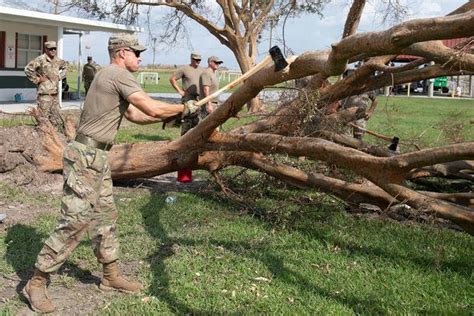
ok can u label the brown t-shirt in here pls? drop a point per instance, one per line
(208, 78)
(106, 103)
(190, 80)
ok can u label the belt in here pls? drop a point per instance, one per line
(86, 140)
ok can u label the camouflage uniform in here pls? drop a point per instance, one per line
(47, 92)
(360, 101)
(87, 205)
(88, 73)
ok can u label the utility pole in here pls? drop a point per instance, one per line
(154, 50)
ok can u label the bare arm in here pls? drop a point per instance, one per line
(151, 111)
(136, 116)
(205, 90)
(175, 85)
(371, 110)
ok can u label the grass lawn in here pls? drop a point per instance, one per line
(429, 122)
(163, 85)
(285, 252)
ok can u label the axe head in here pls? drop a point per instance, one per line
(278, 58)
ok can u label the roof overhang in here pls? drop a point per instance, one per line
(67, 22)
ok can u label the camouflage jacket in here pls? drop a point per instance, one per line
(53, 69)
(361, 101)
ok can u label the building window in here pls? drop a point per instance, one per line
(29, 47)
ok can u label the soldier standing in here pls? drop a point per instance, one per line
(46, 71)
(361, 101)
(88, 73)
(87, 202)
(208, 83)
(189, 76)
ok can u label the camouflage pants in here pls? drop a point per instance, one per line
(354, 131)
(87, 205)
(357, 132)
(48, 106)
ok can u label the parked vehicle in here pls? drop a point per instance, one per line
(441, 83)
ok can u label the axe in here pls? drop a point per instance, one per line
(275, 55)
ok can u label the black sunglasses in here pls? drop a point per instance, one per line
(198, 60)
(52, 48)
(136, 52)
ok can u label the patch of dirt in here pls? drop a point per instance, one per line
(73, 290)
(39, 182)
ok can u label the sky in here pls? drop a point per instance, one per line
(306, 33)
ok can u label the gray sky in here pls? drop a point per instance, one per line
(306, 33)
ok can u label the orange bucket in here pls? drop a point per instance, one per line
(185, 175)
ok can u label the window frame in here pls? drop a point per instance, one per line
(27, 50)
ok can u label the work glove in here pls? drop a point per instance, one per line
(190, 108)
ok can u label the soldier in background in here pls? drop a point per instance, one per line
(189, 76)
(208, 83)
(88, 73)
(361, 101)
(46, 71)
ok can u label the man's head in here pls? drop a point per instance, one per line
(89, 59)
(124, 50)
(214, 62)
(195, 59)
(50, 48)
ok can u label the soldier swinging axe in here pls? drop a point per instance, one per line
(275, 55)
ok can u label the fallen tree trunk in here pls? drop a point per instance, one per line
(286, 130)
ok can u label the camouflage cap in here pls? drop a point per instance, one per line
(124, 40)
(196, 56)
(215, 59)
(50, 44)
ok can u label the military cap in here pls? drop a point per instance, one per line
(50, 44)
(124, 40)
(196, 56)
(89, 57)
(215, 59)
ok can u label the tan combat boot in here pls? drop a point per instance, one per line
(35, 292)
(112, 280)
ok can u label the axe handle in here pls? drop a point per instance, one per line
(232, 84)
(384, 137)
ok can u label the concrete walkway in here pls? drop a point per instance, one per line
(20, 107)
(266, 95)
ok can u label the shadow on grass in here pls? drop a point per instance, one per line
(389, 250)
(23, 245)
(320, 224)
(160, 284)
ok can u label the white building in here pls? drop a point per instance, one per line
(22, 36)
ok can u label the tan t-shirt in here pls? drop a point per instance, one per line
(106, 103)
(190, 80)
(208, 78)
